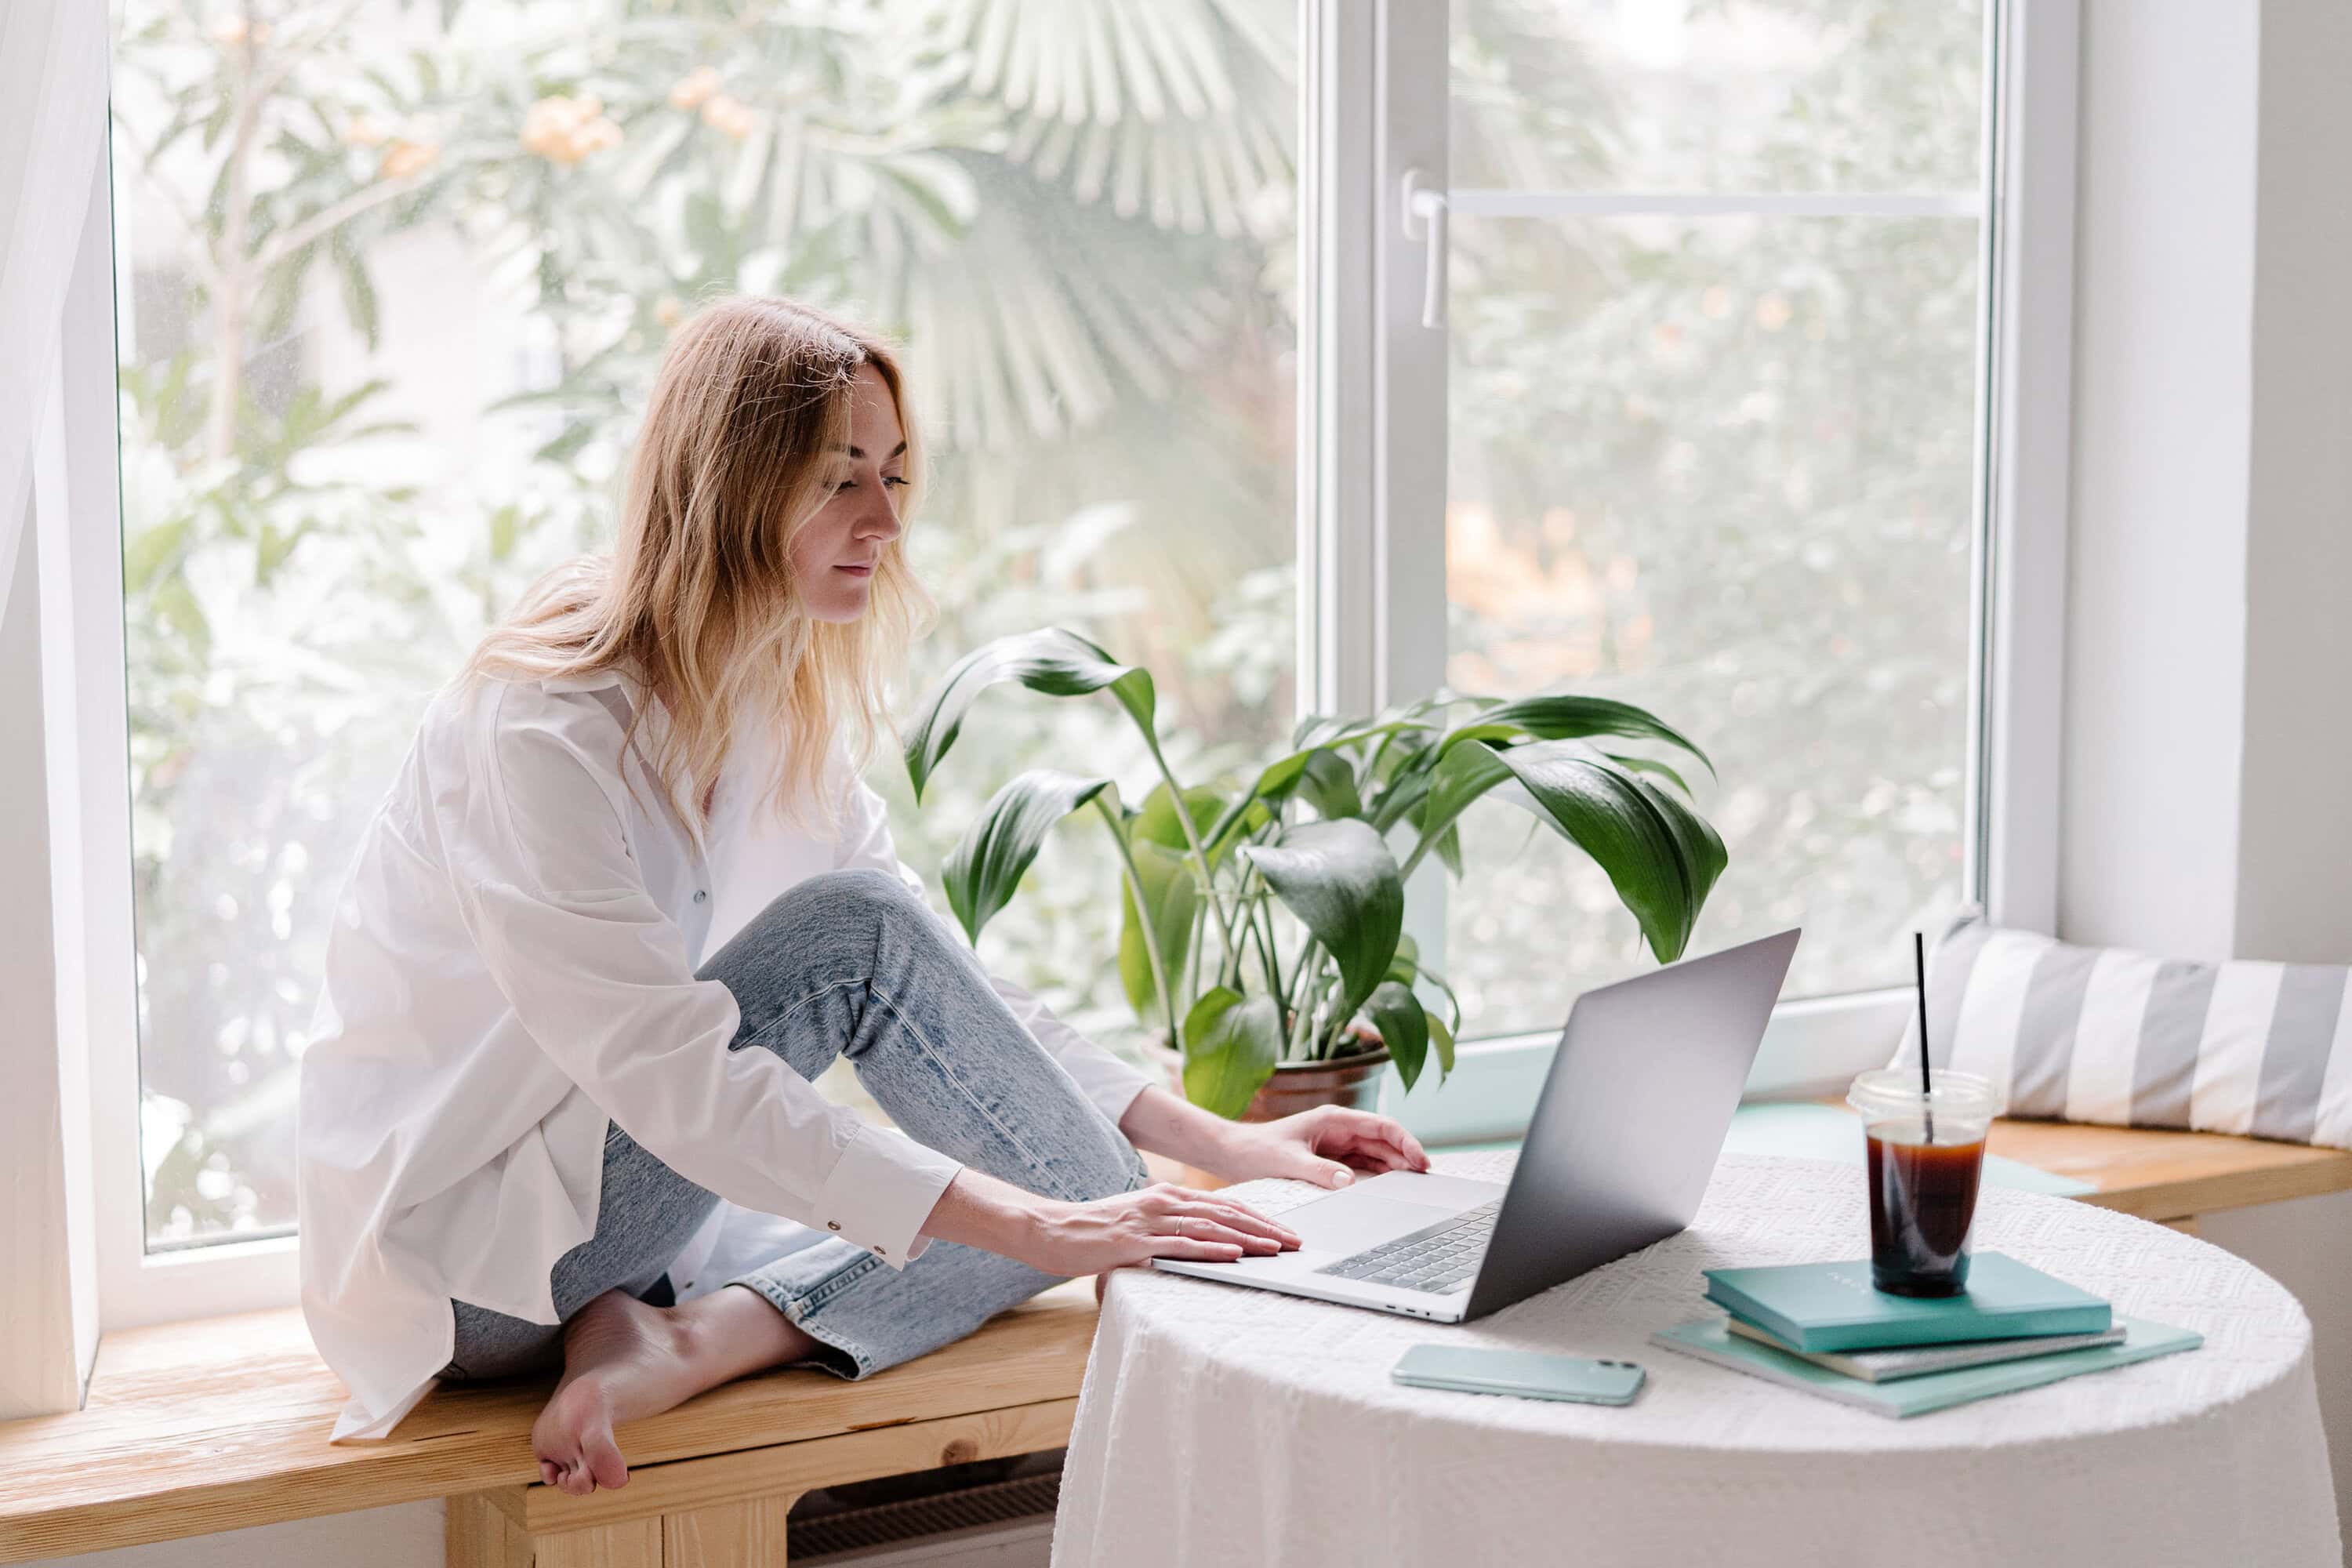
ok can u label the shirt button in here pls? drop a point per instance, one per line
(699, 895)
(833, 1225)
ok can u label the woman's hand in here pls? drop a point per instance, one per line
(1074, 1238)
(1325, 1146)
(1160, 1221)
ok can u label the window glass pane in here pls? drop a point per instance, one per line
(1722, 467)
(393, 282)
(1716, 95)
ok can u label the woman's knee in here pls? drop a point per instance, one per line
(832, 922)
(850, 905)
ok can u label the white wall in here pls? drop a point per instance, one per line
(2210, 545)
(408, 1536)
(2156, 604)
(2208, 739)
(2294, 866)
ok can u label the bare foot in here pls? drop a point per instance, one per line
(623, 1361)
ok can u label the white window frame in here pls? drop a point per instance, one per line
(1371, 487)
(1373, 457)
(84, 622)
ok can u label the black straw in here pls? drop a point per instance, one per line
(1926, 1084)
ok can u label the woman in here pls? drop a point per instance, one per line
(531, 1090)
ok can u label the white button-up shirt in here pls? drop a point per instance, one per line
(511, 970)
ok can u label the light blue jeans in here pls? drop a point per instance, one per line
(849, 964)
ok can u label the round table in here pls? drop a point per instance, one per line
(1221, 1425)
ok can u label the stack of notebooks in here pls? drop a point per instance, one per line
(1822, 1328)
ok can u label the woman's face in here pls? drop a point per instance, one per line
(835, 556)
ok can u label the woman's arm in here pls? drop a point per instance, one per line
(1066, 1238)
(1319, 1145)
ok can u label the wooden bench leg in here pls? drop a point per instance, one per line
(728, 1510)
(486, 1530)
(636, 1544)
(748, 1534)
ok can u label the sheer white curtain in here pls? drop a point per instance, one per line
(52, 131)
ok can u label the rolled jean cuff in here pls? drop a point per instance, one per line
(837, 1352)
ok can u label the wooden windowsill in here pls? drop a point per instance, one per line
(2173, 1176)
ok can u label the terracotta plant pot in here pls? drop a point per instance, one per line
(1351, 1080)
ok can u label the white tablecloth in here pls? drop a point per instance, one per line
(1222, 1426)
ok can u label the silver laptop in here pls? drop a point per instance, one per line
(1624, 1137)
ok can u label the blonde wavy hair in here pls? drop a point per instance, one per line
(696, 599)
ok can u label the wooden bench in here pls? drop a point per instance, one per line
(198, 1427)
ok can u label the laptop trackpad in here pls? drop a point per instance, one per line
(1383, 1208)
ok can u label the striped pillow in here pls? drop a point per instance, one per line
(2085, 1034)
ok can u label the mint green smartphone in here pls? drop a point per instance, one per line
(1532, 1374)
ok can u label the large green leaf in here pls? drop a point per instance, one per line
(1230, 1044)
(1403, 1024)
(1281, 775)
(1157, 822)
(1407, 967)
(1341, 882)
(1565, 718)
(1055, 661)
(1448, 844)
(1328, 785)
(1659, 855)
(1171, 896)
(984, 868)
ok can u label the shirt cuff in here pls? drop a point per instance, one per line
(881, 1191)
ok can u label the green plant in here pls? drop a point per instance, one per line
(1205, 868)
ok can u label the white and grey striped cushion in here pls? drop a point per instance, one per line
(2083, 1034)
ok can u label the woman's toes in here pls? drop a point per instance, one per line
(602, 1460)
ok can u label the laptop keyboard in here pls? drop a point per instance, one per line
(1435, 1258)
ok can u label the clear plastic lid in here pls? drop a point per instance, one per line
(1893, 1094)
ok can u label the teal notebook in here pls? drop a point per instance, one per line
(1712, 1341)
(1832, 1306)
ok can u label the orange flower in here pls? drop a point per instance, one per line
(402, 159)
(233, 29)
(694, 88)
(565, 130)
(730, 115)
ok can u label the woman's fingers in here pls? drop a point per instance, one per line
(1199, 1251)
(1240, 1220)
(1377, 1137)
(1191, 1201)
(1205, 1227)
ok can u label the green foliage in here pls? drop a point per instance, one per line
(303, 568)
(1332, 871)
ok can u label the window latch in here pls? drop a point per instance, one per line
(1424, 210)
